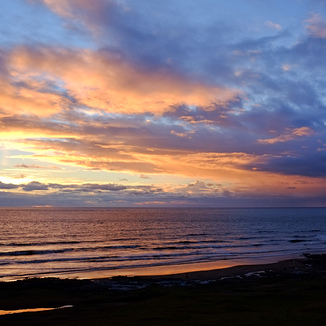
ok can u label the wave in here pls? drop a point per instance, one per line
(298, 240)
(180, 246)
(267, 231)
(124, 239)
(150, 260)
(117, 247)
(249, 238)
(65, 250)
(33, 252)
(197, 234)
(45, 243)
(199, 241)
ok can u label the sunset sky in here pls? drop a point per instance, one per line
(162, 103)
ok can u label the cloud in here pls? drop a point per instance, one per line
(21, 92)
(291, 134)
(8, 186)
(20, 176)
(105, 187)
(85, 188)
(192, 194)
(135, 145)
(143, 176)
(106, 81)
(148, 93)
(34, 166)
(84, 12)
(316, 26)
(150, 36)
(34, 185)
(312, 165)
(272, 25)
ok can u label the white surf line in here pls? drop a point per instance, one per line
(19, 311)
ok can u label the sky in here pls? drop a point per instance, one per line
(175, 103)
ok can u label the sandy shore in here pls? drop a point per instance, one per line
(290, 292)
(307, 265)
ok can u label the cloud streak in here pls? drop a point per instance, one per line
(33, 166)
(291, 134)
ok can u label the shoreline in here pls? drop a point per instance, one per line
(308, 264)
(161, 270)
(313, 265)
(204, 268)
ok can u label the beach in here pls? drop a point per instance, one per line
(289, 292)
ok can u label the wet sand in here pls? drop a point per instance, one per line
(290, 292)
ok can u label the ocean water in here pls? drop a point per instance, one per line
(86, 242)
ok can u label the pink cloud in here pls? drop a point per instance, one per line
(273, 25)
(91, 14)
(316, 26)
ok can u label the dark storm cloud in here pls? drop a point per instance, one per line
(311, 165)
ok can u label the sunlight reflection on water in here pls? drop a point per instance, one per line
(19, 311)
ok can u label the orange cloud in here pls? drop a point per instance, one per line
(107, 82)
(227, 172)
(292, 134)
(23, 100)
(28, 92)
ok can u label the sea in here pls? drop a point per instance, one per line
(105, 242)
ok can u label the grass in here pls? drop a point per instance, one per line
(271, 301)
